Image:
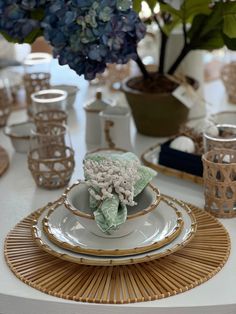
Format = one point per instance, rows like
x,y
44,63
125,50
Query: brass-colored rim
x,y
166,170
78,212
36,233
116,252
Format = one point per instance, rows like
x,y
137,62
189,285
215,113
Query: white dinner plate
x,y
159,228
184,237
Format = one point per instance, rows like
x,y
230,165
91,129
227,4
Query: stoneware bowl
x,y
20,135
71,92
76,199
224,117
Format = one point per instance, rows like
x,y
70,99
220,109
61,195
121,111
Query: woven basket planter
x,y
220,182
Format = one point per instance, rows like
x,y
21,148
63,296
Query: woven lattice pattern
x,y
225,140
51,133
5,106
4,160
114,73
199,261
51,166
34,82
220,182
228,76
41,119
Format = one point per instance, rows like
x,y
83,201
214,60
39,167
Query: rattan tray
x,y
150,159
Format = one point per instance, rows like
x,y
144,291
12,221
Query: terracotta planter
x,y
155,114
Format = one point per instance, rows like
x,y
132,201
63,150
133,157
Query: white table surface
x,y
19,196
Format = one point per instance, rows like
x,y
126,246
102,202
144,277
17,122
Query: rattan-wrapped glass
x,y
220,182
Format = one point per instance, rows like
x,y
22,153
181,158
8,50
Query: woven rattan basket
x,y
228,76
5,107
220,182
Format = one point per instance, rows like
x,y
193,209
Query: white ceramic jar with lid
x,y
92,110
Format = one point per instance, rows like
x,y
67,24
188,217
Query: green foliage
x,y
206,24
229,17
28,40
206,30
137,5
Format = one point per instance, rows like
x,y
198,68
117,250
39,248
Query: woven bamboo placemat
x,y
199,261
4,160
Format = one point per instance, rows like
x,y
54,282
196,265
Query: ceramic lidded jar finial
x,y
92,110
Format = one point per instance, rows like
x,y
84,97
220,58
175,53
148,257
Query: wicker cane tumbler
x,y
220,182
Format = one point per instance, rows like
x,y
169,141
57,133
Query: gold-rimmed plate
x,y
160,227
187,233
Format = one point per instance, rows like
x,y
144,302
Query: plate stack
x,y
61,231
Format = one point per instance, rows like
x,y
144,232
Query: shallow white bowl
x,y
76,199
71,91
224,117
20,135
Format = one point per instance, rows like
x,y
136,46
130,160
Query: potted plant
x,y
88,35
205,25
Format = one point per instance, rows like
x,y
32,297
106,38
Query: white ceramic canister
x,y
115,126
93,129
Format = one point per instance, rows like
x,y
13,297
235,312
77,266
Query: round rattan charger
x,y
191,266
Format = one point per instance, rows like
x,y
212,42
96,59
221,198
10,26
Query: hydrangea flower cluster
x,y
109,176
85,34
88,34
18,19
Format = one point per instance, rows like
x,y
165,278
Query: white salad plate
x,y
186,234
159,228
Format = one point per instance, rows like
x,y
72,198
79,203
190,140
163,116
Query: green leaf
x,y
8,38
37,14
191,8
33,35
213,40
229,16
230,43
206,30
137,4
168,27
151,4
169,9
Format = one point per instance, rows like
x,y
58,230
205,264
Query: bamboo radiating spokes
x,y
197,262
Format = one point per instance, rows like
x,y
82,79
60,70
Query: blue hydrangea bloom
x,y
16,18
88,34
85,34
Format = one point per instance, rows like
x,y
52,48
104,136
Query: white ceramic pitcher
x,y
115,127
92,110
